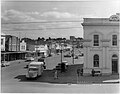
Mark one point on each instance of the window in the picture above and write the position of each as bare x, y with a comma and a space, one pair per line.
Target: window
96, 60
1, 41
96, 40
114, 40
23, 47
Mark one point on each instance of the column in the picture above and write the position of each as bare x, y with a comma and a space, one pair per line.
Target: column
104, 58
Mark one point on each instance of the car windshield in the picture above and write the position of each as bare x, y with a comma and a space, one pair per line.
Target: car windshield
33, 69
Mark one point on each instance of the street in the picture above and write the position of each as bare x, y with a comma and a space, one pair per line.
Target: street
13, 80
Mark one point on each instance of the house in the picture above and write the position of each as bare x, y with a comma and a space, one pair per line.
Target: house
101, 45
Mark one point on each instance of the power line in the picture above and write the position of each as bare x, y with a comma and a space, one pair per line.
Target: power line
39, 22
40, 29
50, 1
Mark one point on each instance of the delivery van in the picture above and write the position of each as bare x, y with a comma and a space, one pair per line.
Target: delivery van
35, 69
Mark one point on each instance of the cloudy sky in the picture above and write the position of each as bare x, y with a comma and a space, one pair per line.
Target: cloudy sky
46, 18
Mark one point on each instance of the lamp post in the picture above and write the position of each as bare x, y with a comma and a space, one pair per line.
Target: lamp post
61, 51
73, 53
73, 50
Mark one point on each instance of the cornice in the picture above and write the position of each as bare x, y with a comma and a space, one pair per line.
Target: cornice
100, 24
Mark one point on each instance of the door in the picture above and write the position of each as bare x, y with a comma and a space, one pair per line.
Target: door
114, 64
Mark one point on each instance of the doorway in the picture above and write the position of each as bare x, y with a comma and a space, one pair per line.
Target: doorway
114, 64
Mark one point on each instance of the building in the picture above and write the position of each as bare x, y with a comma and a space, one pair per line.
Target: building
2, 42
10, 48
9, 43
27, 44
101, 45
23, 46
42, 49
14, 43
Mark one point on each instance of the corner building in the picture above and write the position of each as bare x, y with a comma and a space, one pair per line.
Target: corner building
101, 45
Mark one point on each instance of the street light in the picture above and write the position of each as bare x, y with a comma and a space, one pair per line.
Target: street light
61, 51
73, 49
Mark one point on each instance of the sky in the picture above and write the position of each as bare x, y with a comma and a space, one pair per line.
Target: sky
56, 18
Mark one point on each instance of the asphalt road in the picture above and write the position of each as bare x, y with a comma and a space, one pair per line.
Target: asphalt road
10, 81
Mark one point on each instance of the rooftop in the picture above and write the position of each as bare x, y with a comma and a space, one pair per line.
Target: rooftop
112, 20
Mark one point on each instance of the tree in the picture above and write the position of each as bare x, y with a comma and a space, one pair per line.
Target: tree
43, 38
39, 38
49, 38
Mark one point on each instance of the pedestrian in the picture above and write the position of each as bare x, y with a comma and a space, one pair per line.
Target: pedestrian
56, 74
81, 72
93, 72
78, 72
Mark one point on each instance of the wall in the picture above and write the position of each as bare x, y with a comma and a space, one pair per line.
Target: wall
105, 50
2, 43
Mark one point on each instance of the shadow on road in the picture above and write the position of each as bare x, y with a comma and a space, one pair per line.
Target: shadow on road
70, 76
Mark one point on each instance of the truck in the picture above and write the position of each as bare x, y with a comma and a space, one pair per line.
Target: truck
35, 69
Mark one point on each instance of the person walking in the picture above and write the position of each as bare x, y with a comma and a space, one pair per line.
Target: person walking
81, 72
78, 72
93, 72
56, 74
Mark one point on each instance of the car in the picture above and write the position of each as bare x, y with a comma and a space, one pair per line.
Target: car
30, 59
5, 63
62, 66
81, 54
75, 57
67, 55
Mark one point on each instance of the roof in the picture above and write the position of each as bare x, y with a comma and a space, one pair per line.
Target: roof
112, 20
36, 63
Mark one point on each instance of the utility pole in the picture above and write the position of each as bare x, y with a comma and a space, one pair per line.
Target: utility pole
61, 52
61, 55
19, 39
73, 50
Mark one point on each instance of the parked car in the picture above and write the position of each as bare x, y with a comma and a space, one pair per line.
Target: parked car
67, 55
62, 66
5, 63
30, 59
75, 57
81, 54
42, 60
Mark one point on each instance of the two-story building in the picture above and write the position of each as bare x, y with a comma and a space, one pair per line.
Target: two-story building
101, 45
41, 48
10, 48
